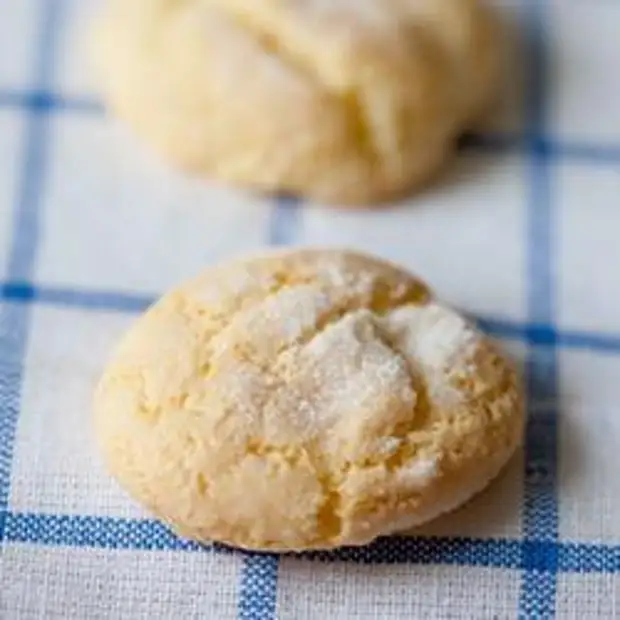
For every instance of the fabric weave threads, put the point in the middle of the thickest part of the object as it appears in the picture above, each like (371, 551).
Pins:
(541, 194)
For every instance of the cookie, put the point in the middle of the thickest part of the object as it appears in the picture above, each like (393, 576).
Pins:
(307, 399)
(341, 101)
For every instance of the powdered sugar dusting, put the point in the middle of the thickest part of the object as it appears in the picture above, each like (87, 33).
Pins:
(417, 473)
(355, 283)
(352, 377)
(386, 446)
(348, 377)
(278, 321)
(435, 340)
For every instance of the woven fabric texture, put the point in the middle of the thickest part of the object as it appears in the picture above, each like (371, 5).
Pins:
(521, 232)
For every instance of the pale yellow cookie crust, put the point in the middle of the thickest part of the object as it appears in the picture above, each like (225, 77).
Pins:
(348, 101)
(302, 400)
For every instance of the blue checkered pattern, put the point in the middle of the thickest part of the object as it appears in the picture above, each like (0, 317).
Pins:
(549, 569)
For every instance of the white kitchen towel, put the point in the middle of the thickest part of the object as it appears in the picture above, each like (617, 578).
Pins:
(522, 231)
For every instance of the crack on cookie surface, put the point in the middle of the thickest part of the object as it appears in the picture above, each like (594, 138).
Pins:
(350, 97)
(329, 517)
(271, 41)
(361, 125)
(201, 484)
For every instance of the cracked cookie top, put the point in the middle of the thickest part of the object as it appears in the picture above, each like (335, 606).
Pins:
(305, 399)
(348, 101)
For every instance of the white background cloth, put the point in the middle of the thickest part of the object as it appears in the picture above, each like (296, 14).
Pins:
(522, 231)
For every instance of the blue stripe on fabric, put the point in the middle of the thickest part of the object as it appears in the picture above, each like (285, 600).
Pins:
(42, 102)
(114, 301)
(13, 336)
(47, 102)
(540, 512)
(591, 153)
(259, 587)
(14, 319)
(535, 557)
(89, 531)
(285, 221)
(148, 534)
(27, 211)
(75, 298)
(542, 364)
(457, 551)
(588, 558)
(601, 343)
(22, 253)
(504, 142)
(537, 600)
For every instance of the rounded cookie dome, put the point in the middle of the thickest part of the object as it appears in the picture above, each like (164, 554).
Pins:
(348, 101)
(305, 399)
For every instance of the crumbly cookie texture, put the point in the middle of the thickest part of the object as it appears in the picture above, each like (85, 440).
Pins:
(307, 399)
(342, 101)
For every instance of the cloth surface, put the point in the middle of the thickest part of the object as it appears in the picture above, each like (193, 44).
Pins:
(521, 231)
